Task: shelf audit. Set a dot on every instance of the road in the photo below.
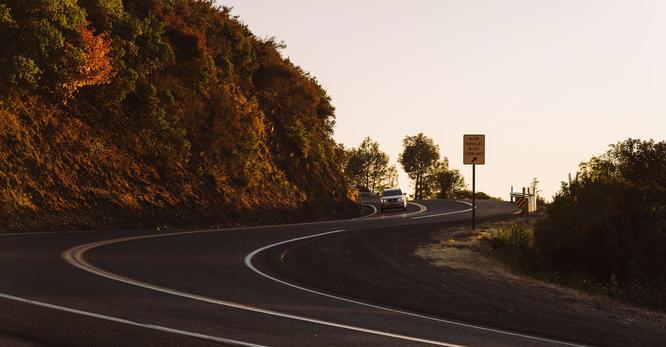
(212, 287)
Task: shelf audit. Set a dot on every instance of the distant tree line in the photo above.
(368, 167)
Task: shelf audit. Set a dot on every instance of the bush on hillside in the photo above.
(610, 222)
(144, 112)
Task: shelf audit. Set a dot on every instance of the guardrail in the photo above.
(525, 200)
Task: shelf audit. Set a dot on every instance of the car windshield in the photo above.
(392, 192)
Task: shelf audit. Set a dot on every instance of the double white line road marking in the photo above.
(75, 256)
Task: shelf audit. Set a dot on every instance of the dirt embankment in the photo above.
(441, 271)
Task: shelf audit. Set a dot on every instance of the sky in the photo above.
(550, 83)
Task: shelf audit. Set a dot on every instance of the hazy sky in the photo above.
(550, 83)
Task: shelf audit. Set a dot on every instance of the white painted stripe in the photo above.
(422, 208)
(446, 213)
(248, 263)
(75, 256)
(127, 322)
(463, 202)
(374, 212)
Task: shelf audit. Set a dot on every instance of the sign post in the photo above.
(474, 153)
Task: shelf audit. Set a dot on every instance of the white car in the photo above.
(392, 198)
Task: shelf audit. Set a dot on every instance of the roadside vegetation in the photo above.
(433, 178)
(605, 231)
(368, 168)
(130, 114)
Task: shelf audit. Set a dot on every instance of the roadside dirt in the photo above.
(440, 270)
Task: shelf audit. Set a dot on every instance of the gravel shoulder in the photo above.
(445, 271)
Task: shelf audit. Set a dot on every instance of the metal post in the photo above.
(473, 196)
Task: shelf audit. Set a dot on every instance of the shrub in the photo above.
(516, 242)
(157, 110)
(610, 223)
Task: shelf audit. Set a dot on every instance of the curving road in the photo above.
(212, 287)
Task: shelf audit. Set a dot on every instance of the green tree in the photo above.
(429, 182)
(367, 165)
(47, 47)
(392, 177)
(419, 158)
(450, 183)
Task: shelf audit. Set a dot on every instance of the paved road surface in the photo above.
(210, 287)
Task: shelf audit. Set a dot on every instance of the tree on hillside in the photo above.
(450, 183)
(355, 167)
(419, 158)
(442, 182)
(367, 165)
(429, 182)
(341, 154)
(46, 46)
(392, 177)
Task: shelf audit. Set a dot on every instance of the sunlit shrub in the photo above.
(158, 110)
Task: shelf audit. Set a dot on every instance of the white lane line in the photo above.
(75, 257)
(374, 212)
(248, 263)
(422, 209)
(464, 202)
(127, 322)
(447, 213)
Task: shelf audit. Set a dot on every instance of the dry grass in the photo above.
(462, 249)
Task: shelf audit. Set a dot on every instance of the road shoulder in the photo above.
(382, 267)
(461, 249)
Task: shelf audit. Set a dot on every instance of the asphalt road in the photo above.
(211, 287)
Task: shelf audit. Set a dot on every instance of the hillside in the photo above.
(149, 113)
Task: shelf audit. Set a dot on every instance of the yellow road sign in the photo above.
(474, 149)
